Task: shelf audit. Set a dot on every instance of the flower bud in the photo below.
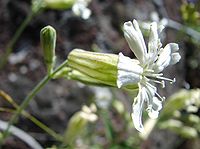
(48, 42)
(78, 122)
(58, 4)
(75, 126)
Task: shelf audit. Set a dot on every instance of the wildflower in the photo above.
(80, 8)
(146, 70)
(89, 113)
(78, 122)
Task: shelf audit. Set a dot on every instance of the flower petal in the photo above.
(174, 47)
(154, 108)
(153, 39)
(160, 28)
(127, 78)
(167, 56)
(137, 111)
(137, 28)
(134, 39)
(175, 58)
(150, 91)
(128, 71)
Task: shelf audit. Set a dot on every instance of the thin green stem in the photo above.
(108, 127)
(43, 126)
(36, 8)
(9, 99)
(187, 30)
(24, 105)
(29, 97)
(9, 47)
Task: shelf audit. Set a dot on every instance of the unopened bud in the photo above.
(75, 127)
(78, 122)
(187, 132)
(48, 42)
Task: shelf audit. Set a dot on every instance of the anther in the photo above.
(162, 98)
(163, 84)
(174, 80)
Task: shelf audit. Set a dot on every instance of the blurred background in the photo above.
(110, 126)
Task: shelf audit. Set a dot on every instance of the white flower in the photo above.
(146, 70)
(89, 113)
(80, 8)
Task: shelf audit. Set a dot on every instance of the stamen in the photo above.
(166, 79)
(162, 98)
(149, 70)
(152, 75)
(159, 82)
(150, 85)
(174, 80)
(163, 84)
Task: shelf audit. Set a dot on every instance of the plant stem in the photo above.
(24, 105)
(187, 30)
(29, 97)
(29, 116)
(43, 126)
(9, 47)
(36, 122)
